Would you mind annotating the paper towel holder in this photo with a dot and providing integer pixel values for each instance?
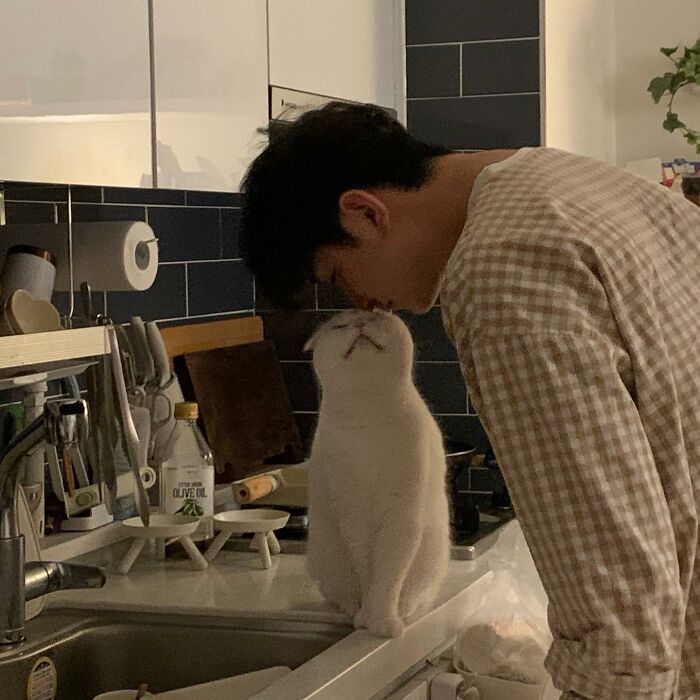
(143, 253)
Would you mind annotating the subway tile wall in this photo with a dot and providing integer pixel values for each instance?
(200, 276)
(472, 83)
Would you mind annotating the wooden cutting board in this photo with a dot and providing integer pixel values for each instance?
(244, 407)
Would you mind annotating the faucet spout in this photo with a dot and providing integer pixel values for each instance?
(42, 577)
(61, 424)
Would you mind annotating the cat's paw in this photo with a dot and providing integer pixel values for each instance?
(388, 626)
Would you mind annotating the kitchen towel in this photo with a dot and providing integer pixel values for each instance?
(110, 255)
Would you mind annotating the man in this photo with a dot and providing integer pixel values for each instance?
(571, 290)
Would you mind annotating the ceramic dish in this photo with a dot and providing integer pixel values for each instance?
(162, 525)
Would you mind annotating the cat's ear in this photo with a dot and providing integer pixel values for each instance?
(311, 343)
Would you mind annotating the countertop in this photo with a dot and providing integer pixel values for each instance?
(357, 667)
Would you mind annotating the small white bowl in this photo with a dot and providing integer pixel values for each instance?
(162, 525)
(250, 520)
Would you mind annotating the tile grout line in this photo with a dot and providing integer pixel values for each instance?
(474, 41)
(461, 76)
(187, 292)
(472, 97)
(221, 233)
(195, 262)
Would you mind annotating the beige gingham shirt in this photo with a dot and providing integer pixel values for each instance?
(573, 298)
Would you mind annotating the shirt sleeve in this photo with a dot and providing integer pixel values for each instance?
(570, 443)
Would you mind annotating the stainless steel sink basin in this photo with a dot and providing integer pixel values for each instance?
(97, 651)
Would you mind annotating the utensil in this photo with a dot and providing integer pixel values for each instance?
(145, 369)
(162, 428)
(163, 376)
(86, 299)
(136, 392)
(130, 436)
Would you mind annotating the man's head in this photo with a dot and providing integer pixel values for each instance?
(325, 201)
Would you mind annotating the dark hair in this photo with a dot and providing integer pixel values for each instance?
(291, 190)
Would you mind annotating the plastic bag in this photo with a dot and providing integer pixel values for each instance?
(508, 636)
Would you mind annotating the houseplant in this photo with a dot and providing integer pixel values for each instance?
(687, 72)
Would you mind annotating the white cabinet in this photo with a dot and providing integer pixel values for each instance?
(349, 50)
(211, 90)
(75, 91)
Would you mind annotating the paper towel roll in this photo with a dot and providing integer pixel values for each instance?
(112, 255)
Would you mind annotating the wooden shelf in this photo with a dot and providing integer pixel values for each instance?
(42, 352)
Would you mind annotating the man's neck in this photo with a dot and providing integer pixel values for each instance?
(445, 197)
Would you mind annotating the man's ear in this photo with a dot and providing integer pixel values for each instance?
(363, 214)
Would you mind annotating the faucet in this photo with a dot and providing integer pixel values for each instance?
(61, 425)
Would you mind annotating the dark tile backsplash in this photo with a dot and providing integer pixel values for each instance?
(107, 212)
(131, 195)
(216, 287)
(166, 298)
(433, 71)
(502, 66)
(186, 233)
(190, 226)
(503, 121)
(472, 83)
(442, 21)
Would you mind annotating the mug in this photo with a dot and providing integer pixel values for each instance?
(28, 267)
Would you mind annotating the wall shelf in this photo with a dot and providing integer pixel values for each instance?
(40, 353)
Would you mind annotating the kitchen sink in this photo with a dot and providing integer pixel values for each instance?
(97, 651)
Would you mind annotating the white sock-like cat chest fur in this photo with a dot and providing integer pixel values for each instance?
(379, 537)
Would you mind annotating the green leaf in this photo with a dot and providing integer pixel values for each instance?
(659, 85)
(672, 122)
(668, 52)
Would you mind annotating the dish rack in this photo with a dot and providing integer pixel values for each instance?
(29, 363)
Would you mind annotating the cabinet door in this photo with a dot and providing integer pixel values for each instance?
(211, 90)
(349, 50)
(75, 91)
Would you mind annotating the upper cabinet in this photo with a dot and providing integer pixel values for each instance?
(211, 90)
(75, 91)
(102, 92)
(349, 50)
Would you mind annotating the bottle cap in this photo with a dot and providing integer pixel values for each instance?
(187, 410)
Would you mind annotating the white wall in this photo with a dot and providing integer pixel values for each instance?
(599, 58)
(350, 50)
(579, 50)
(642, 27)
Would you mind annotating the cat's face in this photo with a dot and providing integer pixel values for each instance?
(357, 347)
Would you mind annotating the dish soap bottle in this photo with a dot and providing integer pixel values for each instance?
(189, 488)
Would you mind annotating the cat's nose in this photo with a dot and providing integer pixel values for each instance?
(359, 323)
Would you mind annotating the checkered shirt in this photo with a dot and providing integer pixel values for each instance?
(573, 298)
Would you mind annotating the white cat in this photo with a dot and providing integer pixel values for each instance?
(379, 526)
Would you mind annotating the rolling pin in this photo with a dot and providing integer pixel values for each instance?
(249, 490)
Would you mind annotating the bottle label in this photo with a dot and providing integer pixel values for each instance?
(188, 490)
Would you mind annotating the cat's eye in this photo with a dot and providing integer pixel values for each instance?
(341, 325)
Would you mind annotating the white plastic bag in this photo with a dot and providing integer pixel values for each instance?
(508, 637)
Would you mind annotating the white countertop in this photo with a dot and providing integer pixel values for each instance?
(357, 667)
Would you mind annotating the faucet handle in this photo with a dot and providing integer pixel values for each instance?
(66, 421)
